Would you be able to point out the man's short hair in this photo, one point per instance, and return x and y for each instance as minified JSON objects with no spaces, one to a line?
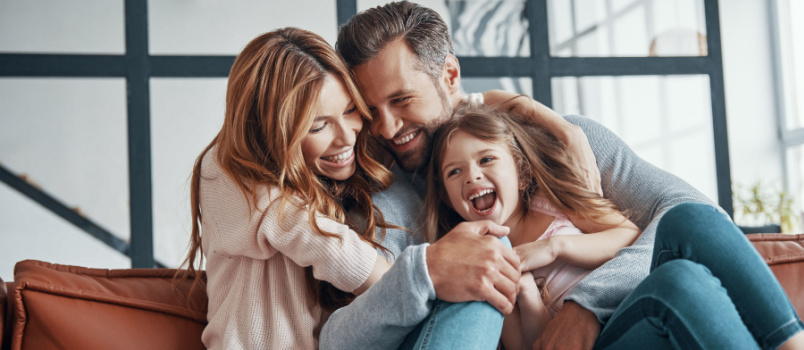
{"x":368,"y":32}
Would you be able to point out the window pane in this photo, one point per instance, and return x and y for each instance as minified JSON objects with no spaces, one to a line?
{"x":667,"y":120}
{"x":55,"y":26}
{"x":29,"y":231}
{"x":225,"y":27}
{"x":626,"y":28}
{"x":186,"y":115}
{"x":795,"y":185}
{"x":496,"y":28}
{"x":791,"y":47}
{"x":68,"y":136}
{"x":516,"y":85}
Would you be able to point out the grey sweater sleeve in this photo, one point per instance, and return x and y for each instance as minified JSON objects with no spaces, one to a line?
{"x":643,"y":191}
{"x":382,"y":317}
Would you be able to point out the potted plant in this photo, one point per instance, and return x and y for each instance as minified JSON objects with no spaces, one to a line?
{"x":759,"y":208}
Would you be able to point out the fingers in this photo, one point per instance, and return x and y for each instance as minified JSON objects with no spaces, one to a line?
{"x":500,"y":301}
{"x":486,"y":227}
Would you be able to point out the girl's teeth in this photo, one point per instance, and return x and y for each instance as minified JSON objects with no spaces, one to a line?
{"x":405,"y":139}
{"x":481,"y":193}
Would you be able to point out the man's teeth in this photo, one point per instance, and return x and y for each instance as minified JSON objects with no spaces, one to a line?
{"x":481,"y":193}
{"x":405,"y":139}
{"x":339,"y":157}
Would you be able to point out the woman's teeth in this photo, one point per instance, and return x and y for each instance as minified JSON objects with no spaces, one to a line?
{"x":339,"y":157}
{"x":405,"y":139}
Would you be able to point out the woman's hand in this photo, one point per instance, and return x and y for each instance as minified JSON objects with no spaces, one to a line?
{"x":536,"y":254}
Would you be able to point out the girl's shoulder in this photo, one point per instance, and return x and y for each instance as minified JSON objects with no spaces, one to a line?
{"x":542,"y":205}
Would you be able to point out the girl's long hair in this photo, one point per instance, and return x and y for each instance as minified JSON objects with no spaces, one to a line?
{"x":542,"y":160}
{"x":272,"y":90}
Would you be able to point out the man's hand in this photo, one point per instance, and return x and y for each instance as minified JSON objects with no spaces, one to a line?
{"x":573,"y":327}
{"x":470,"y":263}
{"x":572,"y":136}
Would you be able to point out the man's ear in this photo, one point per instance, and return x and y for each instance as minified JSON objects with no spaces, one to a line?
{"x":451,"y":73}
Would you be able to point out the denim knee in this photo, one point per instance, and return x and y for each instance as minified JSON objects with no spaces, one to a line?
{"x":674,"y":282}
{"x":696,"y":221}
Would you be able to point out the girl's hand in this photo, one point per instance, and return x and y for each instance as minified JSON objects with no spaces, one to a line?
{"x":528,"y":286}
{"x":536,"y":254}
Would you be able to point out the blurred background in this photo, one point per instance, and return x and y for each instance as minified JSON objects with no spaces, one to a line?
{"x":104,"y":105}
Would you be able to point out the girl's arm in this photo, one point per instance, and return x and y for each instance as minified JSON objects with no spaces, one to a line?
{"x":530,"y":317}
{"x":603,"y":240}
{"x":569,"y":134}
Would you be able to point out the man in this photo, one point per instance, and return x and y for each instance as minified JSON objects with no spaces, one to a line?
{"x":402,"y":58}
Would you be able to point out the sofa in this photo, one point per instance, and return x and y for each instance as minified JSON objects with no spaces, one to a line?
{"x":50,"y":306}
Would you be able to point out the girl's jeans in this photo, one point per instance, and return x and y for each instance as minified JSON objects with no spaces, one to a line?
{"x":708,"y":289}
{"x":467,"y":325}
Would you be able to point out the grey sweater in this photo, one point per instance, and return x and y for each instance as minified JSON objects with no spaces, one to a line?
{"x":391,"y":308}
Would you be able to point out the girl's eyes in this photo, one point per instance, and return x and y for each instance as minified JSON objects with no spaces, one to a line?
{"x":453,"y":172}
{"x":350,"y":111}
{"x":401,"y":99}
{"x":486,"y":160}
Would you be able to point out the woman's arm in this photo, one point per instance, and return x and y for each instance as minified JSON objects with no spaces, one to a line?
{"x":569,"y":134}
{"x":381,"y":266}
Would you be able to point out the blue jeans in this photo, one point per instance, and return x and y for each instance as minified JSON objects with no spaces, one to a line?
{"x":467,"y":325}
{"x":708,"y":289}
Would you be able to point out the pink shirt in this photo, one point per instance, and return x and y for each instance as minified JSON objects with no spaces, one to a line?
{"x":559,"y":276}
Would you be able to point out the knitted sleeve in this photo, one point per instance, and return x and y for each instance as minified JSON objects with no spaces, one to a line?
{"x":344,"y":260}
{"x":257,"y":232}
{"x":643,"y":191}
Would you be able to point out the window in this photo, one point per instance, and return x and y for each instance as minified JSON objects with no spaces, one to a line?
{"x":789,"y":49}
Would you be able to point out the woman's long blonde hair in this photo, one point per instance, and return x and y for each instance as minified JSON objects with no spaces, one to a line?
{"x":541,"y":159}
{"x":272,"y":90}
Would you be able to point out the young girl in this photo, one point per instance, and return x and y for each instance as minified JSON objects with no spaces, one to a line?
{"x":492,"y":165}
{"x":270,"y":192}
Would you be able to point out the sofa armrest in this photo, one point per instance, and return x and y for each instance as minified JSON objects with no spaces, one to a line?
{"x":784,"y":253}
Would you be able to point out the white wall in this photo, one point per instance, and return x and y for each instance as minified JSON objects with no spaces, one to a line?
{"x":68,"y":135}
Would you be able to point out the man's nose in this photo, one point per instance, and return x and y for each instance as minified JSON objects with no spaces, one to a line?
{"x":385,"y":124}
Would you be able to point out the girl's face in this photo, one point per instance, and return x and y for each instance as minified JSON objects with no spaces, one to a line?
{"x":329,"y":147}
{"x":481,"y":179}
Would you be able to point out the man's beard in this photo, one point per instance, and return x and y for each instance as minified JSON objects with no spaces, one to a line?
{"x":417,"y":159}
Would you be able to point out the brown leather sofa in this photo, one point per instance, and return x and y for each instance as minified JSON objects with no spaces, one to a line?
{"x":68,"y":307}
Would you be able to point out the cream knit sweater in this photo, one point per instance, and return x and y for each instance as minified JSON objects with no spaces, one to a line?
{"x":255,"y":266}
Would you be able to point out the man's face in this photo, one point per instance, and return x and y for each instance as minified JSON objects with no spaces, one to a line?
{"x":406,"y":104}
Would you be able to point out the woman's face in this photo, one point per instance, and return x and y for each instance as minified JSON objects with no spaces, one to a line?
{"x":481,"y":179}
{"x":329,"y":147}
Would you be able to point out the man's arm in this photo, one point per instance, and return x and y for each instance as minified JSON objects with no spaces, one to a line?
{"x":469,"y":263}
{"x":645,"y":193}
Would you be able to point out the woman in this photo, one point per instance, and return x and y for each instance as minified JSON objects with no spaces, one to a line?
{"x":270,"y":194}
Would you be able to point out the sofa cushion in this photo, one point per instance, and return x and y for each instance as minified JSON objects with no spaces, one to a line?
{"x":70,"y":307}
{"x":785,"y":256}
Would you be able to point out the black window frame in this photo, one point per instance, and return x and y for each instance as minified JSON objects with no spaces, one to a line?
{"x":137,"y":66}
